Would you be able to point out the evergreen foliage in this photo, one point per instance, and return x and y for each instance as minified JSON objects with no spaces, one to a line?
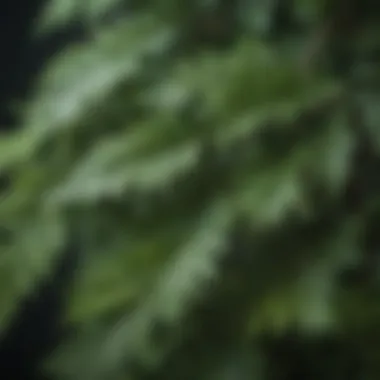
{"x":224,"y":191}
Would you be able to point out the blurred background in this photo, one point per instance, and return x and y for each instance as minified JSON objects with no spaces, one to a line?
{"x":190,"y":190}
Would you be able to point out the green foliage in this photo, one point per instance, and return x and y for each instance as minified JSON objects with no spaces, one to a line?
{"x":219,"y":194}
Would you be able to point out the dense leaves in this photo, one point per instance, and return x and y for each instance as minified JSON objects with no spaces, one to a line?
{"x":224,"y":188}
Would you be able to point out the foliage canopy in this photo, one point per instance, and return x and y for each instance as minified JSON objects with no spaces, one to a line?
{"x":219,"y":188}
